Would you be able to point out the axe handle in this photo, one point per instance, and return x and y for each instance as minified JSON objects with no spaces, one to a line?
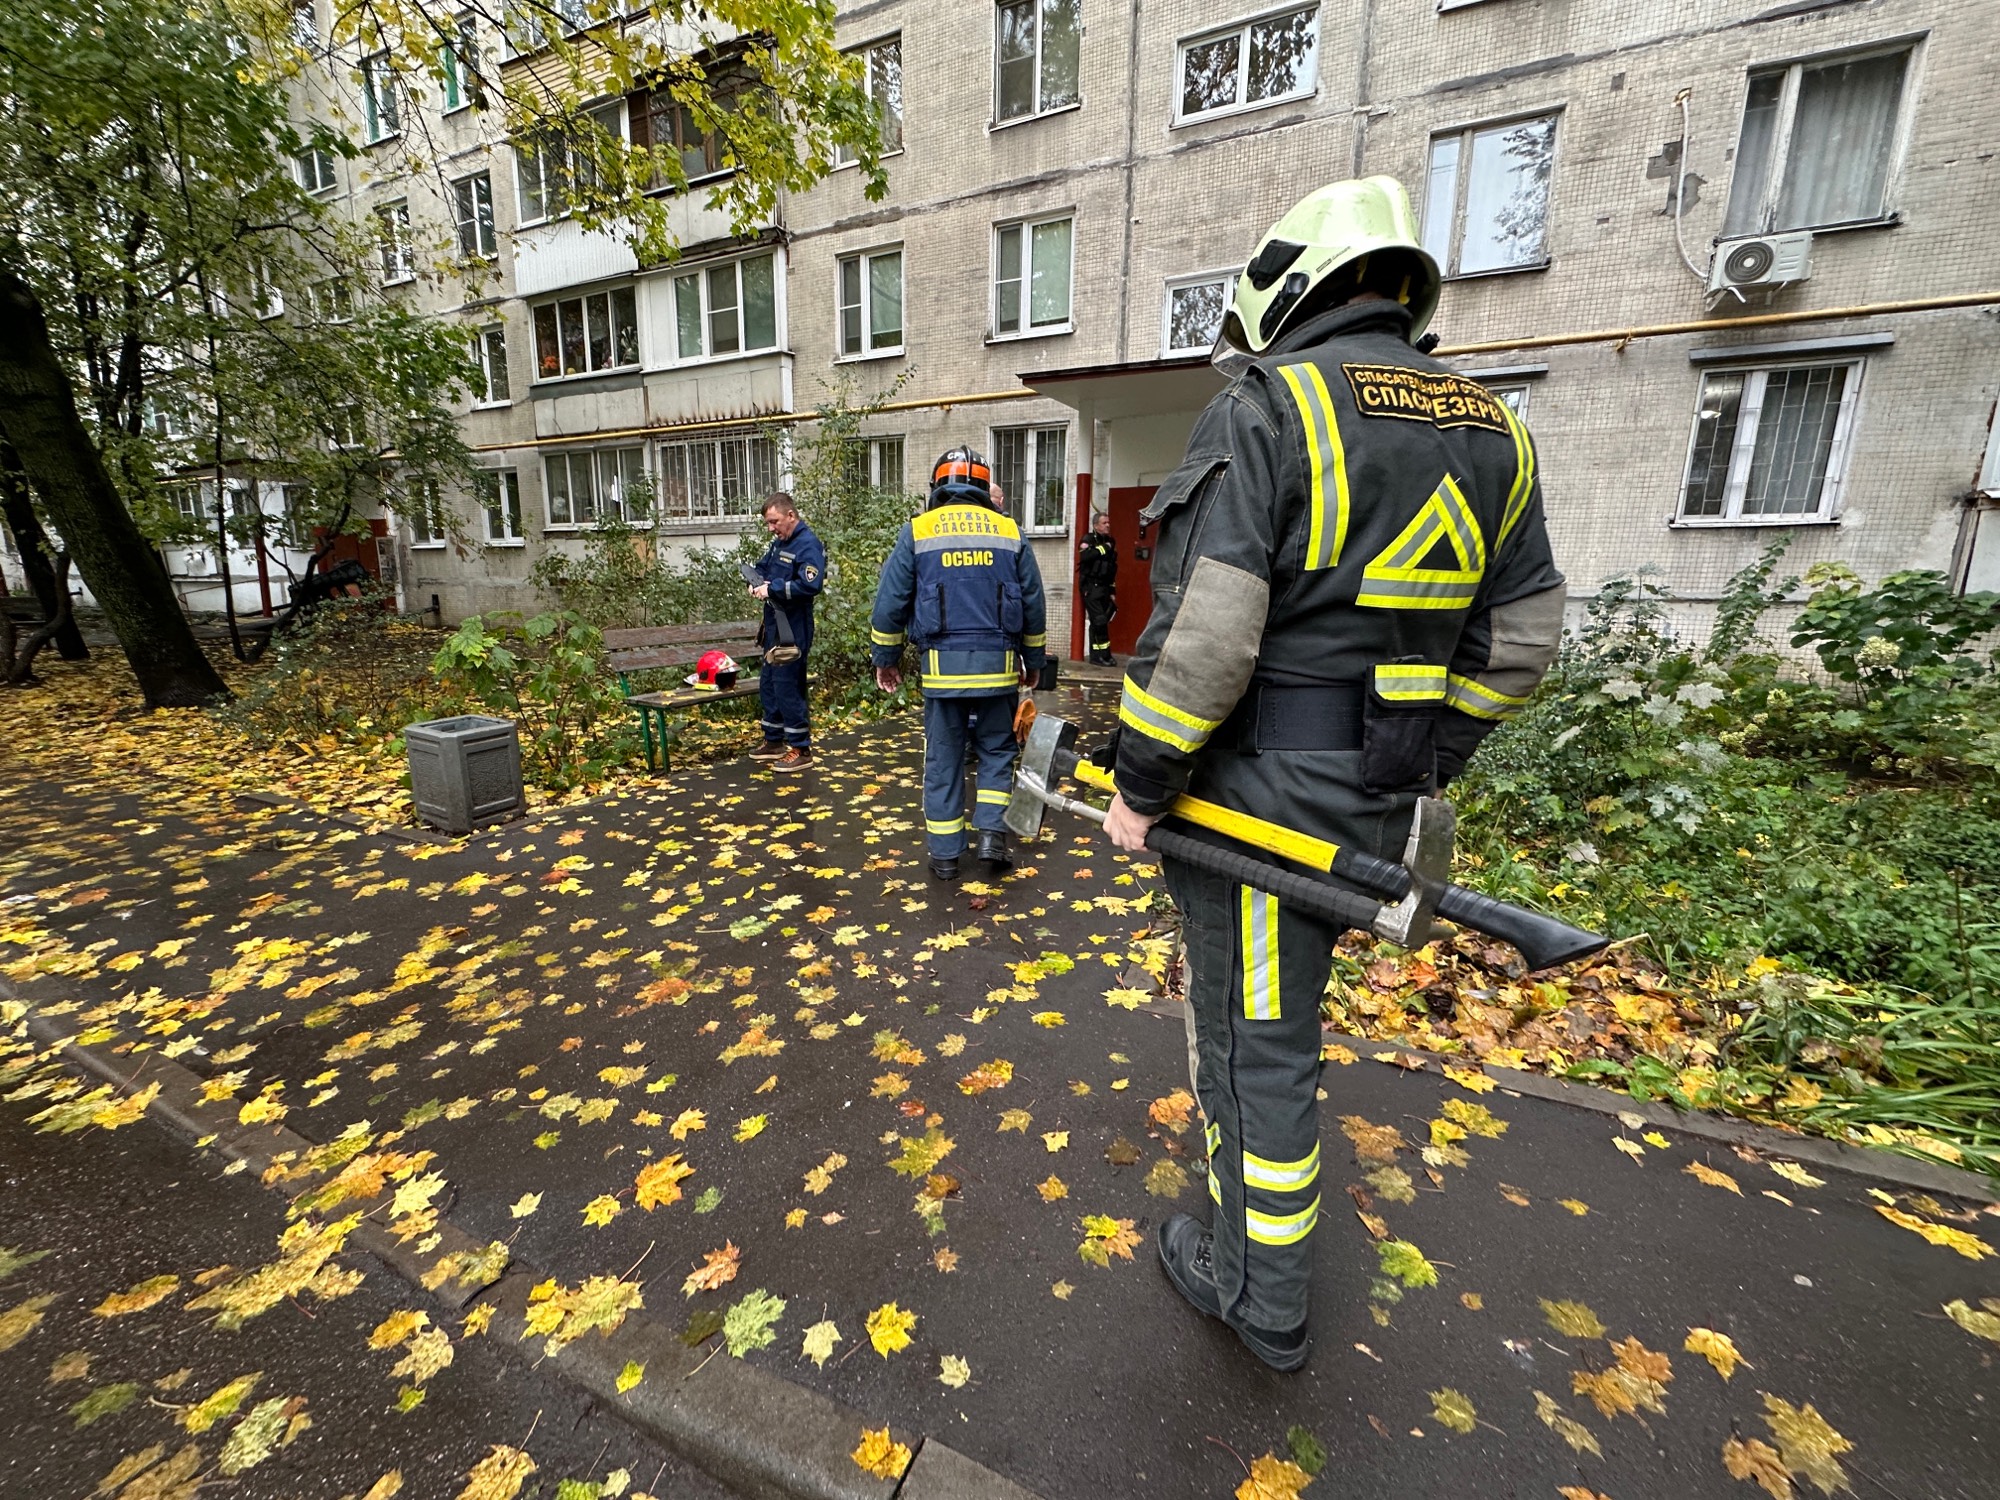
{"x":1344,"y":908}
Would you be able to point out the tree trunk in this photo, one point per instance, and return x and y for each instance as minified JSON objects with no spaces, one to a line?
{"x":33,"y":545}
{"x":38,"y":408}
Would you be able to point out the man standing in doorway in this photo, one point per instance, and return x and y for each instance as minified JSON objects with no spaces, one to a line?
{"x":793,"y":571}
{"x":1097,"y":579}
{"x":962,"y":587}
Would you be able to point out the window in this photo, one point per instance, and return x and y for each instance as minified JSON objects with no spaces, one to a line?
{"x":1486,"y":206}
{"x":267,"y":299}
{"x":1818,"y":140}
{"x":1031,"y":276}
{"x":724,"y":477}
{"x":490,"y":349}
{"x":332,"y":300}
{"x":500,"y":495}
{"x":1194,"y":310}
{"x":426,"y":518}
{"x":884,"y":64}
{"x":664,"y":123}
{"x":1258,"y":63}
{"x":1513,"y":397}
{"x":530,"y":24}
{"x":605,"y":484}
{"x":730,"y":308}
{"x":305,"y":24}
{"x":1037,"y":52}
{"x":1030,"y":463}
{"x":549,"y":166}
{"x":472,"y":203}
{"x":381,"y":116}
{"x":1770,"y":444}
{"x":346,"y":427}
{"x":462,"y":66}
{"x":875,"y":463}
{"x":392,"y":233}
{"x":870,"y":298}
{"x":581,"y":334}
{"x":314,"y":166}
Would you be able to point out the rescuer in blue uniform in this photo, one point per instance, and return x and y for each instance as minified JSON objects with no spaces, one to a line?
{"x":793,"y":569}
{"x":962,"y":588}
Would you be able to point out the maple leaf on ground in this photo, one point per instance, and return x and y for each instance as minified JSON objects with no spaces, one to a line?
{"x":498,"y":1476}
{"x":153,"y":1290}
{"x":1451,"y":1408}
{"x":1062,"y":1290}
{"x":751,"y":1126}
{"x":921,"y":1154}
{"x":946,"y":1259}
{"x":105,"y":1401}
{"x":429,"y":1352}
{"x":1173,"y":1111}
{"x":659,"y":1183}
{"x":1469,"y":1078}
{"x":1273,"y":1478}
{"x":1807,"y":1444}
{"x":1105,"y":1237}
{"x":1580,"y":1492}
{"x":601,"y":1210}
{"x":953,"y":1371}
{"x":396,"y":1328}
{"x":879,"y":1454}
{"x":988,"y":1075}
{"x":819,"y":1342}
{"x":889,"y":1328}
{"x":1052,"y":1188}
{"x":1792,"y":1172}
{"x":144,"y":1477}
{"x":567,"y":1314}
{"x":1758,"y":1460}
{"x":1971,"y":1246}
{"x":1477,"y":1119}
{"x":1392,"y":1185}
{"x":1713,"y":1178}
{"x":221,"y":1405}
{"x":1405,"y":1262}
{"x":1166,"y":1179}
{"x":1374,"y":1145}
{"x":1639,"y":1379}
{"x":752,"y":1323}
{"x":1984,"y":1325}
{"x":1055,"y":1140}
{"x":1572,"y":1320}
{"x":718,"y":1268}
{"x":74,"y":1365}
{"x":1575,"y":1205}
{"x":1571,"y":1431}
{"x":688,"y":1120}
{"x":1717,"y":1348}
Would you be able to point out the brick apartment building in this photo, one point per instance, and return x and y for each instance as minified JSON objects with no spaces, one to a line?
{"x":1816,"y":182}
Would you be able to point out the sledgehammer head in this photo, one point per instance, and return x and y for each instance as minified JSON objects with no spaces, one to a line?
{"x":1048,"y":737}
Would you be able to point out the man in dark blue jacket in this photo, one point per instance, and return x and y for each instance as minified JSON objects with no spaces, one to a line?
{"x":793,"y":569}
{"x":962,"y":587}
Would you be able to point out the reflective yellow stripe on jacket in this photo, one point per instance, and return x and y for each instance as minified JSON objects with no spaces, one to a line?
{"x":1409,"y":682}
{"x":1327,"y":458}
{"x":1524,"y":477}
{"x":1157,"y":719}
{"x":1395,"y":577}
{"x":1481,"y":701}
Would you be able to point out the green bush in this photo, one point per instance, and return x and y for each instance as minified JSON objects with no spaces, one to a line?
{"x":546,"y":673}
{"x":350,"y":670}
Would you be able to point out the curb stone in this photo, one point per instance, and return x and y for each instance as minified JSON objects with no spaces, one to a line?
{"x":765,"y":1437}
{"x":1858,"y":1161}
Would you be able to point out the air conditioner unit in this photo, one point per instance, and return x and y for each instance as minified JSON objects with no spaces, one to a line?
{"x":1761,"y":260}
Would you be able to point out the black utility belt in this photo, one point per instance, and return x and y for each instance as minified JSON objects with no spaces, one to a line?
{"x":1327,"y":716}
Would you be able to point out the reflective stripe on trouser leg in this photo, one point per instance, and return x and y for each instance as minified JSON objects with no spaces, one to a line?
{"x":944,"y":774}
{"x":1257,"y":1080}
{"x":992,"y":735}
{"x":782,"y":687}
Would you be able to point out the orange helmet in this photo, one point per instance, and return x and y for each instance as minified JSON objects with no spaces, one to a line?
{"x":716,"y":669}
{"x":959,"y":475}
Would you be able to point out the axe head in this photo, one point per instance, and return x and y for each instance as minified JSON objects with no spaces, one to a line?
{"x":1048,"y":736}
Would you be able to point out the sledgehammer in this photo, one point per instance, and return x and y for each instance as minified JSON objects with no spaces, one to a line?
{"x":1543,"y":941}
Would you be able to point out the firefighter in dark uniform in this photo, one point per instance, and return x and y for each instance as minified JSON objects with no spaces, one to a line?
{"x":793,"y":570}
{"x":961,"y":586}
{"x":1352,"y":586}
{"x":1097,"y":580}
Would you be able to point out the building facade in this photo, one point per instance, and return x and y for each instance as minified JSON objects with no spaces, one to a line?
{"x":1815,"y":185}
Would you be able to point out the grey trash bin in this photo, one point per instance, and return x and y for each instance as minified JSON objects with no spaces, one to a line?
{"x":464,"y":771}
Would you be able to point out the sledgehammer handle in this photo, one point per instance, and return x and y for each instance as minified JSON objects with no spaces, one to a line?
{"x":1321,"y":900}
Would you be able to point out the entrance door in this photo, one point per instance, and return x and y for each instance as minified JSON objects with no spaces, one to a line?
{"x":1135,"y":566}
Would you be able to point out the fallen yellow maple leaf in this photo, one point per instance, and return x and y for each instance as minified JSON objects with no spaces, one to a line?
{"x":1572,"y":1320}
{"x":1717,"y":1348}
{"x":1971,"y":1246}
{"x":1273,"y":1478}
{"x":659,"y":1183}
{"x":1055,"y":1140}
{"x":1758,"y":1460}
{"x":153,"y":1290}
{"x":718,"y":1268}
{"x":889,"y":1328}
{"x":1712,"y":1177}
{"x":1807,"y":1444}
{"x":499,"y":1475}
{"x":1985,"y":1325}
{"x":879,"y":1454}
{"x":1052,"y":1188}
{"x":1105,"y":1237}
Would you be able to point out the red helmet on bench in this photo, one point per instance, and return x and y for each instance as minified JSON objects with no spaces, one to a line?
{"x":715,"y":670}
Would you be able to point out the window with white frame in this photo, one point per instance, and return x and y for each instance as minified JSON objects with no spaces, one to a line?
{"x":869,"y":298}
{"x":1818,"y":143}
{"x":347,"y":427}
{"x":472,"y":206}
{"x":1193,"y":311}
{"x":1031,"y":276}
{"x":267,"y":298}
{"x":460,"y":60}
{"x":531,"y":24}
{"x":426,"y":517}
{"x":500,"y":497}
{"x":550,"y":165}
{"x":1257,"y":62}
{"x":332,"y":300}
{"x":381,"y":114}
{"x":305,"y":24}
{"x":1031,"y":464}
{"x":874,"y":463}
{"x":392,"y":234}
{"x":601,"y":484}
{"x":1770,"y":444}
{"x":490,"y":349}
{"x":1486,"y":202}
{"x":883,"y":62}
{"x":586,"y":334}
{"x":1513,"y":395}
{"x":726,"y":309}
{"x":315,"y":169}
{"x":1037,"y":57}
{"x":721,"y":477}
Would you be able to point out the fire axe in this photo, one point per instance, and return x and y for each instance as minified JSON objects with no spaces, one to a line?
{"x":1413,"y":891}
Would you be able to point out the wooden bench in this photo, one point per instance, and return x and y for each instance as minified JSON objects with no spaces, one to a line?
{"x":663,"y":646}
